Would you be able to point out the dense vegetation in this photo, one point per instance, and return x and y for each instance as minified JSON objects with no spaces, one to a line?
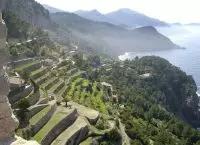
{"x":26,"y":40}
{"x":156,"y":96}
{"x":17,"y":28}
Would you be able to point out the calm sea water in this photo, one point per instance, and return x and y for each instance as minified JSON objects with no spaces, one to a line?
{"x":187,"y":59}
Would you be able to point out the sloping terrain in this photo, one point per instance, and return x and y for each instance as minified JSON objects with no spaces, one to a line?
{"x":113,"y":39}
{"x":91,"y":37}
{"x":77,"y":101}
{"x":47,"y":118}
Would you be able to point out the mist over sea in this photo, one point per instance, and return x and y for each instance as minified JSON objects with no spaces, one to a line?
{"x":187,"y":59}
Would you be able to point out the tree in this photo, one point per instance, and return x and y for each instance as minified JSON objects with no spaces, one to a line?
{"x":25,"y":75}
{"x":23,"y":106}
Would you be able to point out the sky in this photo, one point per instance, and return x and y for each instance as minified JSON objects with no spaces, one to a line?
{"x":171,"y":11}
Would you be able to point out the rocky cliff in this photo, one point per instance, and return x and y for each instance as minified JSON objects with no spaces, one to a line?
{"x":8,"y":122}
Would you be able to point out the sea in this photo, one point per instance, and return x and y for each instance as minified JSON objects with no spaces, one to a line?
{"x":187,"y":59}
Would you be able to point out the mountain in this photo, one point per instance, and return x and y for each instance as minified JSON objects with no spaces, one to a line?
{"x":92,"y":37}
{"x":28,"y":10}
{"x":52,"y":9}
{"x":114,"y":40}
{"x":134,"y":19}
{"x":95,"y":16}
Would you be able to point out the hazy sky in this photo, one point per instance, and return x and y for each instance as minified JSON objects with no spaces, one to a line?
{"x":183,"y":11}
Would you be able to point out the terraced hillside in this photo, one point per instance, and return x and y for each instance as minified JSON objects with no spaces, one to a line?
{"x":62,"y":106}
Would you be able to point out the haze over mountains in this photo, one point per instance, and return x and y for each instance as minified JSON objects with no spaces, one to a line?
{"x":90,"y":36}
{"x":123,"y":17}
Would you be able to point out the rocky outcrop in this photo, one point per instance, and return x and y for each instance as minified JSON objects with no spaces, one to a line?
{"x":8,"y":122}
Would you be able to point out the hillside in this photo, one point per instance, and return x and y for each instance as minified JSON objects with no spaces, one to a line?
{"x":113,"y":39}
{"x":81,"y":101}
{"x":92,"y":37}
{"x":28,"y":10}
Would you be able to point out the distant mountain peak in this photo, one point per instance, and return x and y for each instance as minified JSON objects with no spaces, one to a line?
{"x":134,"y":19}
{"x":127,"y":11}
{"x":52,"y":9}
{"x":95,"y":15}
{"x":95,"y":11}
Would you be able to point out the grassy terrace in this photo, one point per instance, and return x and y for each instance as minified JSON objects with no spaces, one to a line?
{"x":43,"y":77}
{"x":69,"y":132}
{"x":60,"y":114}
{"x":16,"y":103}
{"x":55,"y":86}
{"x":26,"y":65}
{"x":38,"y":71}
{"x":84,"y":111}
{"x":61,"y":91}
{"x":33,"y":120}
{"x":47,"y":82}
{"x":39,"y":115}
{"x":77,"y":74}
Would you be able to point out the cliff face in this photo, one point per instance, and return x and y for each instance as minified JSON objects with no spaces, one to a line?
{"x":8,"y":122}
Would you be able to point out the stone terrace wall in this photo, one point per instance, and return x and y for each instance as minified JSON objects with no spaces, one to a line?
{"x":34,"y":110}
{"x":79,"y":136}
{"x":44,"y":120}
{"x":60,"y":127}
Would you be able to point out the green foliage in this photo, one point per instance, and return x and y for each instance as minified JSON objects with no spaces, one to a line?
{"x":154,"y":103}
{"x":102,"y":123}
{"x":25,"y":75}
{"x":23,"y":104}
{"x":17,"y":28}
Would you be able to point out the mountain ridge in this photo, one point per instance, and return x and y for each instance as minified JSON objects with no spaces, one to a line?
{"x":95,"y":15}
{"x":122,"y":16}
{"x":52,"y":9}
{"x":116,"y":38}
{"x":134,"y":19}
